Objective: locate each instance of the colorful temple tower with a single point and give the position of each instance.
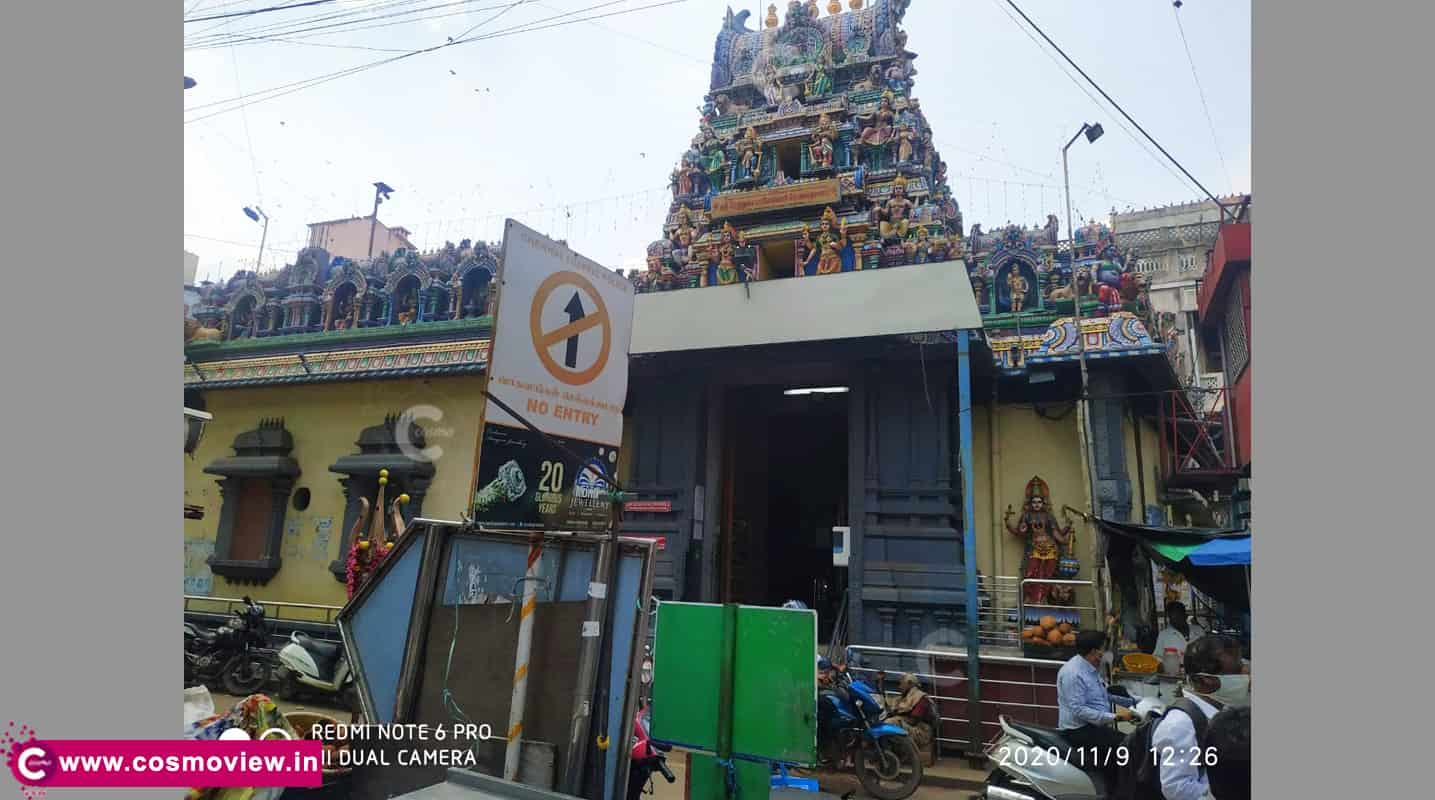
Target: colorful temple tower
(812, 157)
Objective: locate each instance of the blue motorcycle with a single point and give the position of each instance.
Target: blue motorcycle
(851, 724)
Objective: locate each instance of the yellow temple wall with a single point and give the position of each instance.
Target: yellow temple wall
(325, 421)
(1028, 445)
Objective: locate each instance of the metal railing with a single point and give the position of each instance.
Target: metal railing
(1022, 605)
(948, 691)
(998, 621)
(274, 610)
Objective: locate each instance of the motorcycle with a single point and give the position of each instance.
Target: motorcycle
(1030, 763)
(647, 758)
(235, 655)
(309, 664)
(851, 724)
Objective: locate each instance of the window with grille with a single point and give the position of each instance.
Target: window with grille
(1237, 343)
(1188, 263)
(1148, 265)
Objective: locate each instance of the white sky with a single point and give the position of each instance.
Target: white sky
(573, 130)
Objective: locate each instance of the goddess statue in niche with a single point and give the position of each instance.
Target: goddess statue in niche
(1045, 539)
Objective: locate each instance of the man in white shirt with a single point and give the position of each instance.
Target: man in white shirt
(1178, 633)
(1216, 678)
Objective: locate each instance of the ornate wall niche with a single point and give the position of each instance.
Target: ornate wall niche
(397, 445)
(254, 487)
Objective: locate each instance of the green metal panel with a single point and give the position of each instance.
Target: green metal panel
(687, 674)
(707, 779)
(769, 653)
(775, 685)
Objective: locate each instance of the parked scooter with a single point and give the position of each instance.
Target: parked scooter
(1029, 762)
(850, 724)
(234, 656)
(647, 758)
(307, 664)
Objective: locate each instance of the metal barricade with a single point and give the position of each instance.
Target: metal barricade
(1020, 692)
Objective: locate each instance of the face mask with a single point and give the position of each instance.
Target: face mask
(1235, 690)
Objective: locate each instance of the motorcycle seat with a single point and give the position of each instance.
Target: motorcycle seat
(205, 635)
(325, 653)
(1042, 737)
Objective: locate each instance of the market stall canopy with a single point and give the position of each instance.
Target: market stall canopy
(919, 298)
(1216, 561)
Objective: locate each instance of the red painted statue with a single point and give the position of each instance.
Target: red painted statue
(1046, 540)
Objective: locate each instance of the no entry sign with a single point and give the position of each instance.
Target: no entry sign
(560, 359)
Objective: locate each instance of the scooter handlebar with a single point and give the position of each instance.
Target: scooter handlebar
(667, 773)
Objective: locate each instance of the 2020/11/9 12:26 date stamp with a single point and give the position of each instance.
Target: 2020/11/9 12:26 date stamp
(1120, 756)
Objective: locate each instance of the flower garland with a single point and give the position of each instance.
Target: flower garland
(363, 564)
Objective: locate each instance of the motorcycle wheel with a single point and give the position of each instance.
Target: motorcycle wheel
(880, 768)
(245, 674)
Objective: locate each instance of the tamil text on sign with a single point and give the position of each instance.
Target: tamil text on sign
(792, 196)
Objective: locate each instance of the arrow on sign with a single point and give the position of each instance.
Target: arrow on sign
(574, 310)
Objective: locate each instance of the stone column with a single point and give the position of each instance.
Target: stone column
(888, 616)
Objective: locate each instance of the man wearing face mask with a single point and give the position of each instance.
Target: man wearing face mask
(1216, 679)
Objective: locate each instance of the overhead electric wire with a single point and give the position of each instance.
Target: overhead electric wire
(490, 19)
(358, 19)
(259, 11)
(1175, 10)
(1146, 148)
(1114, 104)
(279, 91)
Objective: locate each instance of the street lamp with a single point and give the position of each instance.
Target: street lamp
(255, 213)
(1092, 132)
(189, 83)
(381, 193)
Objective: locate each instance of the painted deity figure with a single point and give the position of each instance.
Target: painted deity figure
(872, 81)
(1017, 285)
(895, 214)
(726, 252)
(1045, 539)
(819, 84)
(684, 178)
(716, 167)
(829, 243)
(905, 148)
(749, 153)
(772, 86)
(879, 131)
(410, 309)
(820, 150)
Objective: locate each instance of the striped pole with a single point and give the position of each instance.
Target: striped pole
(520, 668)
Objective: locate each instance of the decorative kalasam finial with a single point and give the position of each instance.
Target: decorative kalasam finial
(834, 7)
(772, 21)
(855, 5)
(367, 553)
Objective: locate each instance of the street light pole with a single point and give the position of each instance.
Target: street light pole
(1092, 133)
(255, 213)
(381, 193)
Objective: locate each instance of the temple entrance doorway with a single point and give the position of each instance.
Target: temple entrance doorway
(784, 487)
